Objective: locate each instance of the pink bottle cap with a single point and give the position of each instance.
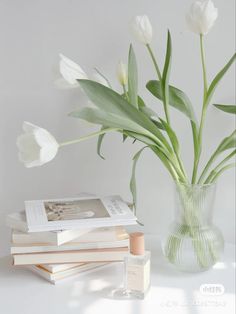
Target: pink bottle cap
(137, 246)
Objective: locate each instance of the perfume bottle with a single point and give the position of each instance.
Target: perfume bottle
(137, 268)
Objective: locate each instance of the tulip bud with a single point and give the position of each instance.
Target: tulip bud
(142, 29)
(201, 16)
(36, 146)
(122, 73)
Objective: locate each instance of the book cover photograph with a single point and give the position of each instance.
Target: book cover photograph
(80, 212)
(75, 209)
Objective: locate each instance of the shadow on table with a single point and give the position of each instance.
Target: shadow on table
(7, 270)
(98, 284)
(187, 284)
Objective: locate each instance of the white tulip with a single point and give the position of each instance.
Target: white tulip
(71, 72)
(201, 16)
(142, 29)
(100, 79)
(122, 73)
(36, 146)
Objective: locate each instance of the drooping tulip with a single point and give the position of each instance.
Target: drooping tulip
(36, 146)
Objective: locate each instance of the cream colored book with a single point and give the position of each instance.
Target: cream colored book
(65, 274)
(20, 234)
(58, 238)
(99, 255)
(69, 246)
(54, 268)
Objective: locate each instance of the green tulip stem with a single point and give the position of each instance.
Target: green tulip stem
(84, 138)
(203, 115)
(125, 92)
(218, 167)
(211, 160)
(217, 174)
(183, 173)
(154, 61)
(203, 66)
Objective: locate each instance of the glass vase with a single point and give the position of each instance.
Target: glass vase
(193, 243)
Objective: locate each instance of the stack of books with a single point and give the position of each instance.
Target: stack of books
(61, 238)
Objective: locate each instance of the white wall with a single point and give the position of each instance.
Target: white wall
(96, 33)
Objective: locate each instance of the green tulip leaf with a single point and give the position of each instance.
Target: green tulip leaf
(102, 75)
(172, 136)
(140, 137)
(227, 143)
(99, 143)
(133, 187)
(106, 119)
(177, 98)
(226, 108)
(166, 70)
(218, 78)
(152, 116)
(141, 103)
(112, 103)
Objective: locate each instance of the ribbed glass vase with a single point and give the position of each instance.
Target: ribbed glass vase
(193, 243)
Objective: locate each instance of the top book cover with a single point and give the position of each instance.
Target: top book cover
(77, 213)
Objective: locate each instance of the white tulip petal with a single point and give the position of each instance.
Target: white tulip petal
(44, 138)
(71, 71)
(29, 127)
(201, 16)
(122, 73)
(47, 153)
(26, 142)
(36, 146)
(142, 29)
(28, 161)
(71, 64)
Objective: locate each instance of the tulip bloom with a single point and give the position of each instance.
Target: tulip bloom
(70, 71)
(142, 29)
(36, 146)
(201, 16)
(122, 73)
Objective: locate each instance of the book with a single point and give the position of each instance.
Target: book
(70, 246)
(17, 221)
(97, 255)
(95, 235)
(77, 213)
(54, 268)
(64, 274)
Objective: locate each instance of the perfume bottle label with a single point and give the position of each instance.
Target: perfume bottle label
(138, 277)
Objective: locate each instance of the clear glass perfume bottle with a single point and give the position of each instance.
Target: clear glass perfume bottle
(137, 268)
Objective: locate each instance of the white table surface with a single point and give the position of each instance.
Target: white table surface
(172, 292)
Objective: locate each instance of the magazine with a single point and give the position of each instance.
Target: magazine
(77, 213)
